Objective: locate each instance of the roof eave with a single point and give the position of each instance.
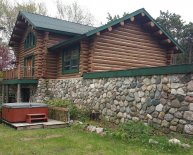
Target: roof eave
(92, 32)
(165, 32)
(58, 31)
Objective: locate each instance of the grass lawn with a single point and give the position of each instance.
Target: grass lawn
(68, 141)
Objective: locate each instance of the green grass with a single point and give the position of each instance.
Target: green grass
(68, 141)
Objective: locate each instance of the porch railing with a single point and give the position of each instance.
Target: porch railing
(19, 73)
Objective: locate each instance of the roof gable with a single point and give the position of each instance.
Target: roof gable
(41, 22)
(147, 18)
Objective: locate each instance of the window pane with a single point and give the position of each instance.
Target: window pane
(71, 59)
(74, 67)
(33, 40)
(67, 68)
(67, 57)
(75, 52)
(66, 65)
(30, 40)
(74, 62)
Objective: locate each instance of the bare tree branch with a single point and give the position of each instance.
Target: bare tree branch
(9, 12)
(74, 13)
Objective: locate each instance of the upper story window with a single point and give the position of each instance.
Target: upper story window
(29, 40)
(29, 66)
(70, 60)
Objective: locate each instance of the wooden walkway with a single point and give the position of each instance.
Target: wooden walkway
(50, 124)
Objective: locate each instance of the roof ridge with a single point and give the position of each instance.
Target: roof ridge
(116, 20)
(55, 18)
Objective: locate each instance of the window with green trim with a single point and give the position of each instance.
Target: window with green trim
(70, 60)
(30, 40)
(29, 66)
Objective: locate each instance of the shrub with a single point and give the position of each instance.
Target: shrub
(75, 113)
(65, 104)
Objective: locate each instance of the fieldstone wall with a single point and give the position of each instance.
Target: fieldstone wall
(165, 102)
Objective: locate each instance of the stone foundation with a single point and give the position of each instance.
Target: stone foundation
(166, 102)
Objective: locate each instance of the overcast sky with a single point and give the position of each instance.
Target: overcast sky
(99, 8)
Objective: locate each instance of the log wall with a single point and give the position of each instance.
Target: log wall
(126, 47)
(53, 57)
(45, 63)
(36, 51)
(123, 47)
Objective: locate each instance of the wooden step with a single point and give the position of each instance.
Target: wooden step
(36, 117)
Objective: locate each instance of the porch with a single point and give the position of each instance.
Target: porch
(18, 83)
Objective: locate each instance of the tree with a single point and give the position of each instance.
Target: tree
(172, 23)
(9, 12)
(182, 32)
(111, 18)
(6, 57)
(74, 13)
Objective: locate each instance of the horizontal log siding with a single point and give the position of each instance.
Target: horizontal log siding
(126, 47)
(56, 38)
(84, 55)
(52, 65)
(53, 57)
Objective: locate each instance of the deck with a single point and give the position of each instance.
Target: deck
(26, 126)
(19, 72)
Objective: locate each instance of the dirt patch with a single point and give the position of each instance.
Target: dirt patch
(36, 138)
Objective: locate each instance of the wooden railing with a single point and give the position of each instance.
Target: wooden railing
(19, 73)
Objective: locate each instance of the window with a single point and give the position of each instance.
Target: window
(29, 66)
(29, 41)
(70, 60)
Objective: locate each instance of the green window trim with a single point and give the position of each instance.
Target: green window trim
(30, 41)
(25, 59)
(68, 58)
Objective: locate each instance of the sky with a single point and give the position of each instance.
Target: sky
(100, 8)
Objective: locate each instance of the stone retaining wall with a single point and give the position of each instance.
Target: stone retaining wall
(164, 101)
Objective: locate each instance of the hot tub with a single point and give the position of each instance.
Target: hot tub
(17, 112)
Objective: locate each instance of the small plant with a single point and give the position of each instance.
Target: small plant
(84, 114)
(133, 130)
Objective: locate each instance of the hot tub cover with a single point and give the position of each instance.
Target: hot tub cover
(24, 105)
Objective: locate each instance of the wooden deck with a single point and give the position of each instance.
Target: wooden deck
(19, 72)
(25, 126)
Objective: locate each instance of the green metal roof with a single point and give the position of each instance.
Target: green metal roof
(112, 23)
(41, 22)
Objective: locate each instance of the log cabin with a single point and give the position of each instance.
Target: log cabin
(51, 48)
